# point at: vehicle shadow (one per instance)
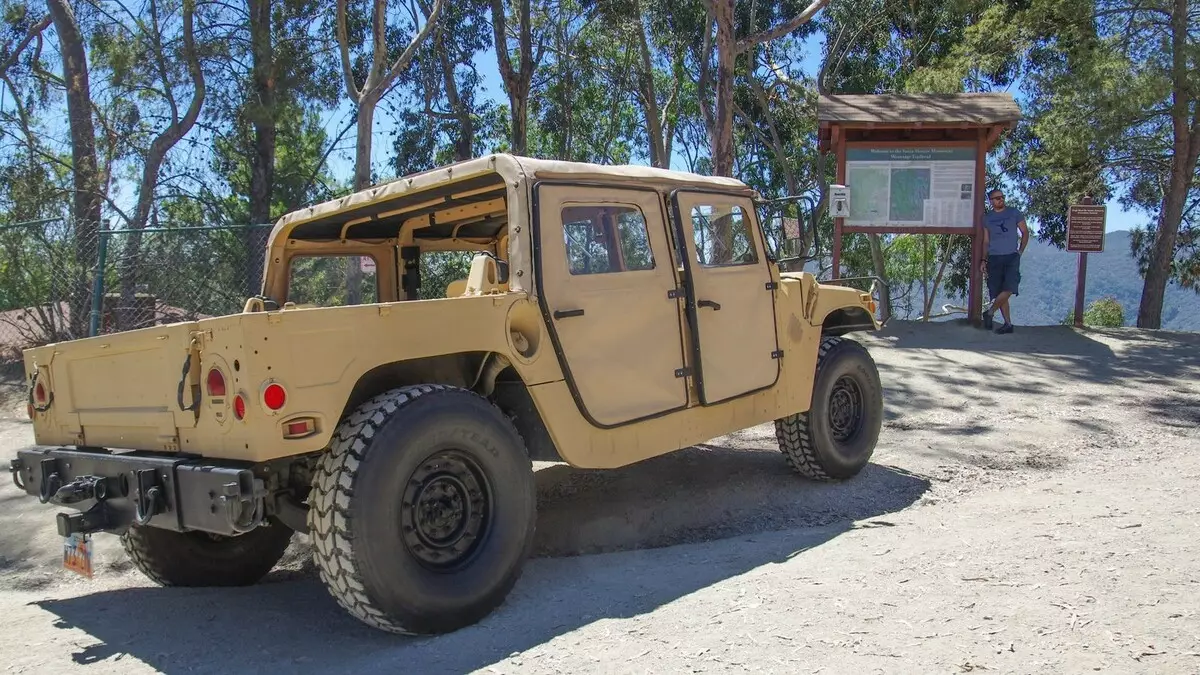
(762, 515)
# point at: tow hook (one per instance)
(247, 494)
(15, 466)
(148, 499)
(51, 481)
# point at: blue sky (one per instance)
(342, 160)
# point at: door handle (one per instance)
(709, 303)
(567, 313)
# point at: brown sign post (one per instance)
(1085, 234)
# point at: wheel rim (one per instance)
(446, 510)
(846, 409)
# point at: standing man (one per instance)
(1003, 261)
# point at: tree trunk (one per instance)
(659, 156)
(87, 198)
(937, 280)
(516, 80)
(721, 133)
(262, 161)
(879, 261)
(362, 180)
(157, 153)
(464, 142)
(520, 124)
(1183, 172)
(379, 78)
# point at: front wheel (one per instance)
(835, 438)
(422, 511)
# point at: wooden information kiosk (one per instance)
(916, 164)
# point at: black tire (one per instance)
(201, 559)
(392, 512)
(815, 444)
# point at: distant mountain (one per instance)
(1048, 286)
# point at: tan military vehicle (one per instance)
(611, 314)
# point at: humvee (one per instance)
(610, 314)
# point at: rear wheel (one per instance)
(422, 511)
(835, 438)
(194, 558)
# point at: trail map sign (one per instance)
(1085, 228)
(915, 164)
(911, 187)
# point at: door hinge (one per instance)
(675, 293)
(777, 354)
(772, 286)
(683, 372)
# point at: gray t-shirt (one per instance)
(1003, 237)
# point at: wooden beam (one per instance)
(867, 229)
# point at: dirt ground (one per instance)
(1031, 508)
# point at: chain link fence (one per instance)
(56, 284)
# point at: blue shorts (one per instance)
(1004, 273)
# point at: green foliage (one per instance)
(1105, 312)
(1109, 90)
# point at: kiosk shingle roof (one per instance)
(970, 108)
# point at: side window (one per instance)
(322, 280)
(723, 236)
(603, 239)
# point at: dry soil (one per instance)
(1031, 508)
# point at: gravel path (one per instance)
(1030, 509)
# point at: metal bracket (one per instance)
(777, 354)
(15, 466)
(675, 293)
(50, 481)
(244, 502)
(94, 519)
(772, 286)
(148, 497)
(683, 372)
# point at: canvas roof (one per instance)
(479, 178)
(984, 109)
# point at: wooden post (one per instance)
(1080, 286)
(1081, 280)
(975, 278)
(839, 144)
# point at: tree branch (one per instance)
(34, 31)
(406, 57)
(782, 29)
(344, 48)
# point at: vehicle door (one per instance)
(731, 300)
(608, 289)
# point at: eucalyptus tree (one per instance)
(1112, 111)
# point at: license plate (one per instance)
(77, 554)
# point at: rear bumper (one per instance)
(110, 491)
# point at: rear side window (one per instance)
(604, 239)
(723, 236)
(324, 280)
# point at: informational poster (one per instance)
(911, 187)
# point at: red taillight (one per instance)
(216, 383)
(39, 394)
(274, 396)
(239, 407)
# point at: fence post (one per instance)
(98, 283)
